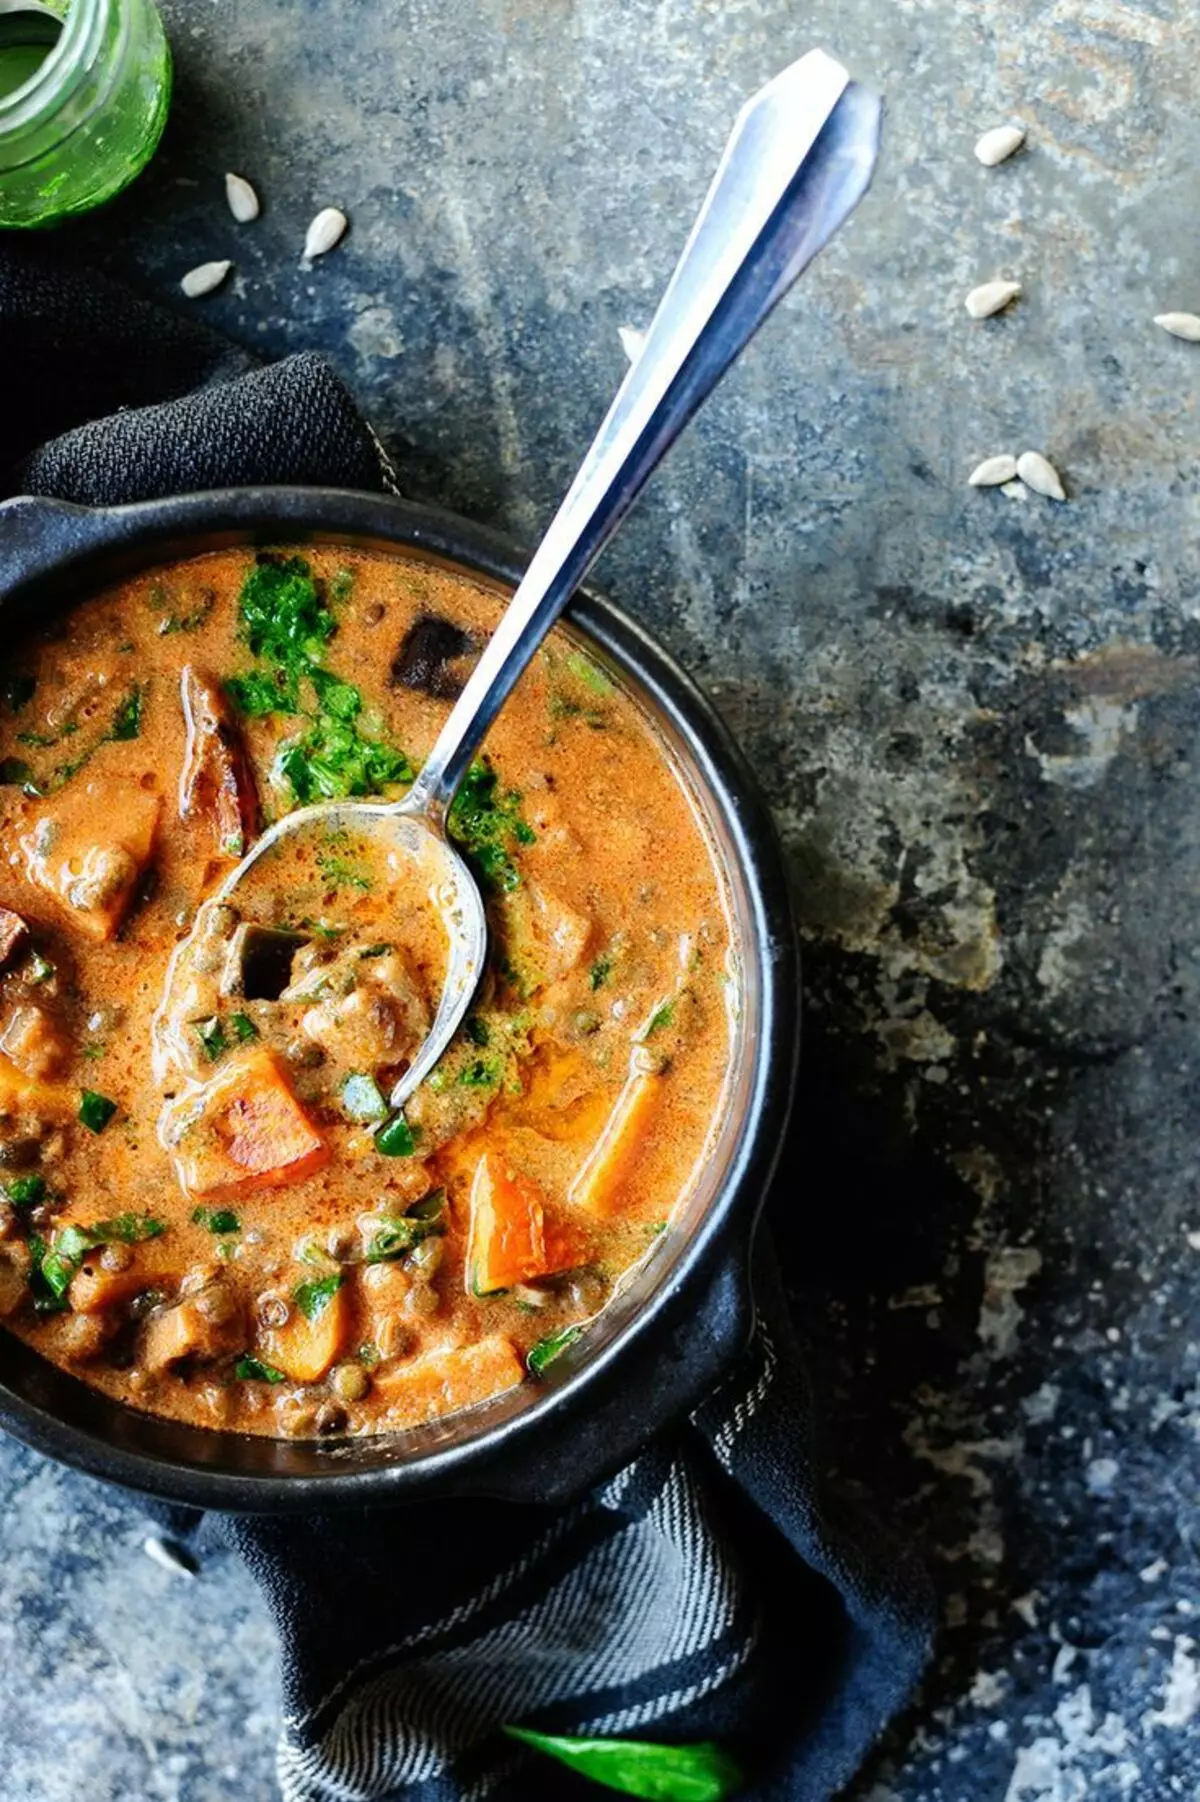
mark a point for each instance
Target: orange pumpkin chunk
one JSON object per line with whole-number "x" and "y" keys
{"x": 599, "y": 1185}
{"x": 250, "y": 1133}
{"x": 307, "y": 1345}
{"x": 443, "y": 1381}
{"x": 509, "y": 1241}
{"x": 89, "y": 848}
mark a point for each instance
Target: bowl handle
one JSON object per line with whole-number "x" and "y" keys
{"x": 682, "y": 1361}
{"x": 38, "y": 535}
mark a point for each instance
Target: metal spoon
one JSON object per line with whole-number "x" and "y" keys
{"x": 797, "y": 163}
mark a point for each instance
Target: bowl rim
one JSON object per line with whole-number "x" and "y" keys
{"x": 74, "y": 548}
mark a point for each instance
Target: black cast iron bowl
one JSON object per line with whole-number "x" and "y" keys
{"x": 666, "y": 1341}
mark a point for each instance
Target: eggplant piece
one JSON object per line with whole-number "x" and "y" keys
{"x": 431, "y": 644}
{"x": 216, "y": 779}
{"x": 14, "y": 936}
{"x": 259, "y": 966}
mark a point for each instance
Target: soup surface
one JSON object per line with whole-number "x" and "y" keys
{"x": 208, "y": 1207}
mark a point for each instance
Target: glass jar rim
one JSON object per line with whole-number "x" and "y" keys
{"x": 64, "y": 67}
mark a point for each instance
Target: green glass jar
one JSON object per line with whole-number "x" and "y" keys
{"x": 84, "y": 91}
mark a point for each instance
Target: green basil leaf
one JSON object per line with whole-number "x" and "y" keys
{"x": 253, "y": 1370}
{"x": 217, "y": 1220}
{"x": 702, "y": 1772}
{"x": 397, "y": 1139}
{"x": 95, "y": 1111}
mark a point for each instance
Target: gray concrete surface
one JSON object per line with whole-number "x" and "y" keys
{"x": 977, "y": 717}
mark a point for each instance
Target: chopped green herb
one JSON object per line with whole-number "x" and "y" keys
{"x": 211, "y": 1035}
{"x": 313, "y": 1298}
{"x": 127, "y": 721}
{"x": 701, "y": 1772}
{"x": 551, "y": 1347}
{"x": 256, "y": 694}
{"x": 58, "y": 1262}
{"x": 393, "y": 1236}
{"x": 253, "y": 1370}
{"x": 600, "y": 972}
{"x": 589, "y": 673}
{"x": 480, "y": 1073}
{"x": 38, "y": 741}
{"x": 46, "y": 1300}
{"x": 93, "y": 1051}
{"x": 662, "y": 1016}
{"x": 284, "y": 619}
{"x": 375, "y": 951}
{"x": 369, "y": 1354}
{"x": 217, "y": 1220}
{"x": 334, "y": 759}
{"x": 486, "y": 821}
{"x": 341, "y": 585}
{"x": 95, "y": 1111}
{"x": 363, "y": 1099}
{"x": 339, "y": 869}
{"x": 26, "y": 1191}
{"x": 397, "y": 1139}
{"x": 40, "y": 968}
{"x": 430, "y": 1207}
{"x": 186, "y": 622}
{"x": 243, "y": 1028}
{"x": 476, "y": 1030}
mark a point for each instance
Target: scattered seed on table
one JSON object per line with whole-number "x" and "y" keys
{"x": 1037, "y": 472}
{"x": 204, "y": 278}
{"x": 1180, "y": 325}
{"x": 631, "y": 341}
{"x": 243, "y": 201}
{"x": 993, "y": 470}
{"x": 999, "y": 143}
{"x": 325, "y": 231}
{"x": 991, "y": 297}
{"x": 171, "y": 1557}
{"x": 1016, "y": 490}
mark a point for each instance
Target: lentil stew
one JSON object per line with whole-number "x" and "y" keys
{"x": 207, "y": 1207}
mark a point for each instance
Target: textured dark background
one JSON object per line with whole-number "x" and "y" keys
{"x": 976, "y": 717}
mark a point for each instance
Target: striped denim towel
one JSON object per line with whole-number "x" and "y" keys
{"x": 709, "y": 1589}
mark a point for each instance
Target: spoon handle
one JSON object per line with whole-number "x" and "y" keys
{"x": 797, "y": 163}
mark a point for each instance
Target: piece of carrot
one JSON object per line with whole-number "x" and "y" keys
{"x": 598, "y": 1186}
{"x": 441, "y": 1382}
{"x": 306, "y": 1347}
{"x": 21, "y": 1094}
{"x": 509, "y": 1240}
{"x": 250, "y": 1133}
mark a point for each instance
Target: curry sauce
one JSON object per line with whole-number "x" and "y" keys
{"x": 209, "y": 1208}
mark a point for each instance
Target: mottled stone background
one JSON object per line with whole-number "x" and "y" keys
{"x": 976, "y": 717}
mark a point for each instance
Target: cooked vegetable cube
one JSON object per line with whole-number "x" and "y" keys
{"x": 509, "y": 1242}
{"x": 599, "y": 1184}
{"x": 90, "y": 847}
{"x": 441, "y": 1382}
{"x": 247, "y": 1132}
{"x": 315, "y": 1333}
{"x": 35, "y": 1041}
{"x": 207, "y": 1325}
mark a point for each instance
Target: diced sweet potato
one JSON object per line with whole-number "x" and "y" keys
{"x": 598, "y": 1186}
{"x": 216, "y": 779}
{"x": 441, "y": 1382}
{"x": 89, "y": 848}
{"x": 21, "y": 1094}
{"x": 14, "y": 936}
{"x": 249, "y": 1132}
{"x": 203, "y": 1326}
{"x": 509, "y": 1242}
{"x": 306, "y": 1348}
{"x": 94, "y": 1289}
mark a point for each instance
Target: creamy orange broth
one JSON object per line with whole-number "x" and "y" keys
{"x": 207, "y": 1207}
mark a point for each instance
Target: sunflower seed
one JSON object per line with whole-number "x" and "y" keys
{"x": 991, "y": 298}
{"x": 204, "y": 278}
{"x": 1038, "y": 473}
{"x": 325, "y": 231}
{"x": 993, "y": 470}
{"x": 243, "y": 201}
{"x": 1180, "y": 325}
{"x": 631, "y": 341}
{"x": 995, "y": 145}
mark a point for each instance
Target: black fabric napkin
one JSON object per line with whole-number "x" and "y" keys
{"x": 709, "y": 1590}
